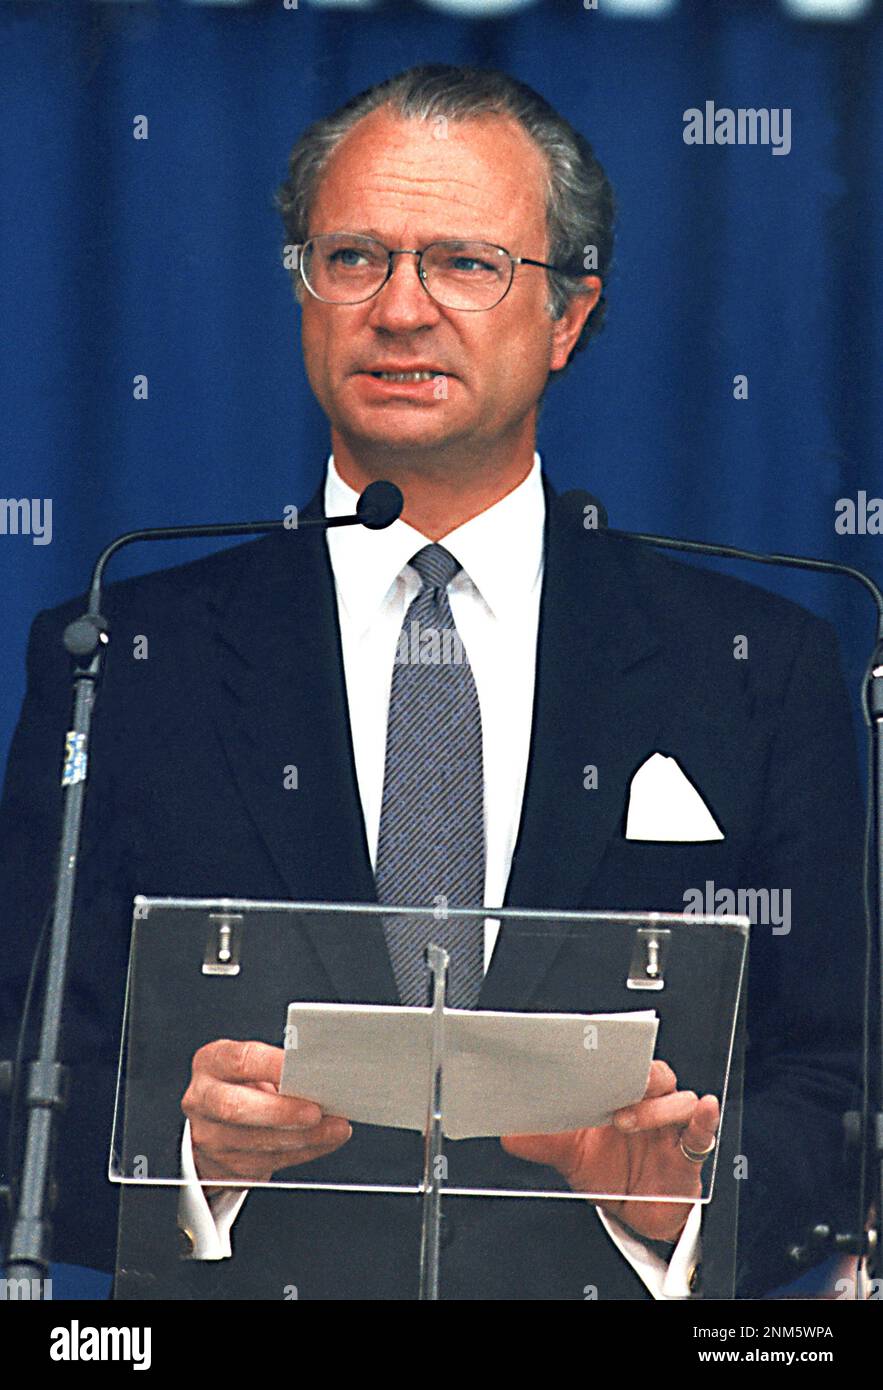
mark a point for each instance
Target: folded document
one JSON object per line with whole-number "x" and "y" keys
{"x": 504, "y": 1073}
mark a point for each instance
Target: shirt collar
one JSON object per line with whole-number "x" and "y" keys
{"x": 501, "y": 549}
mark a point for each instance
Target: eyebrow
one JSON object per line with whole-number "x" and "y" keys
{"x": 428, "y": 241}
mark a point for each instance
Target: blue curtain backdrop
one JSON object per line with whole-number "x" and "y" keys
{"x": 162, "y": 257}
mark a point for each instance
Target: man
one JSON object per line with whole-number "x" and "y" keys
{"x": 440, "y": 225}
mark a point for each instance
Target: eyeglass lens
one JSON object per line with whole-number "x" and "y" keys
{"x": 344, "y": 269}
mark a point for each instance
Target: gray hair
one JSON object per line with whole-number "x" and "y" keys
{"x": 579, "y": 199}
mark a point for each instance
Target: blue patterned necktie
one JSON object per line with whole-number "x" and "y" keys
{"x": 430, "y": 850}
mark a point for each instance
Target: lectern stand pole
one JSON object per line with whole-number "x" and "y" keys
{"x": 433, "y": 1158}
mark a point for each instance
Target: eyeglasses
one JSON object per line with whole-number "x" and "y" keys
{"x": 346, "y": 268}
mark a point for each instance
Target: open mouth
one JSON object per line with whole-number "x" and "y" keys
{"x": 404, "y": 376}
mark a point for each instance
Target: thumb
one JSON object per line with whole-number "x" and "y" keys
{"x": 557, "y": 1150}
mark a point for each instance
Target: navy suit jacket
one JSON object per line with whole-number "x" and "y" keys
{"x": 244, "y": 678}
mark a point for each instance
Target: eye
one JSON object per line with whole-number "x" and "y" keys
{"x": 347, "y": 257}
{"x": 468, "y": 265}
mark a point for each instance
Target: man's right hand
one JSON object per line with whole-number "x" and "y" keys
{"x": 241, "y": 1128}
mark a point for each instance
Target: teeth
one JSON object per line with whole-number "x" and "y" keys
{"x": 403, "y": 376}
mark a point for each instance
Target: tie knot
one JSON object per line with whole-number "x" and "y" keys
{"x": 436, "y": 566}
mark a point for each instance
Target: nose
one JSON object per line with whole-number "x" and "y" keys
{"x": 403, "y": 305}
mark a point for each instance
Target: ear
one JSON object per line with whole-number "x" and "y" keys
{"x": 567, "y": 329}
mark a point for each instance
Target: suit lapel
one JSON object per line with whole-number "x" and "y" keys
{"x": 594, "y": 707}
{"x": 282, "y": 705}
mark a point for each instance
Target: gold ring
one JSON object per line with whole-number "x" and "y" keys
{"x": 692, "y": 1154}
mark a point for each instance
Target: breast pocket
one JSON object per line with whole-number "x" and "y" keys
{"x": 665, "y": 876}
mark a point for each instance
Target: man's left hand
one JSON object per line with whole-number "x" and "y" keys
{"x": 639, "y": 1153}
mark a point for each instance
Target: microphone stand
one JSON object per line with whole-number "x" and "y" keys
{"x": 46, "y": 1091}
{"x": 822, "y": 1236}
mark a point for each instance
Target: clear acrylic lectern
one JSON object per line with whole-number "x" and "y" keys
{"x": 573, "y": 1008}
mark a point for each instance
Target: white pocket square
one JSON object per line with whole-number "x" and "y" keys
{"x": 664, "y": 805}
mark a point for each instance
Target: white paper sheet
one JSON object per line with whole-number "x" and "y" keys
{"x": 505, "y": 1073}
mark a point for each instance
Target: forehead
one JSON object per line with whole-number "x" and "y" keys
{"x": 420, "y": 180}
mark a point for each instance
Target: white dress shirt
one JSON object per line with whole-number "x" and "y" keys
{"x": 495, "y": 600}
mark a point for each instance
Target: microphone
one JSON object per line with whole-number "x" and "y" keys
{"x": 85, "y": 639}
{"x": 822, "y": 1239}
{"x": 588, "y": 508}
{"x": 379, "y": 506}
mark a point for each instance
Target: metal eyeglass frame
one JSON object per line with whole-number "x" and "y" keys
{"x": 299, "y": 248}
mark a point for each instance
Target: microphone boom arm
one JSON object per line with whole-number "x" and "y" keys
{"x": 85, "y": 640}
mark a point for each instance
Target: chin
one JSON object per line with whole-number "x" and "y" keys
{"x": 408, "y": 432}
